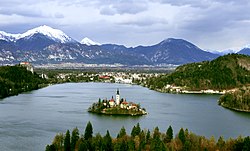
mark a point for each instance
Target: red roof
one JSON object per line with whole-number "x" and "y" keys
{"x": 124, "y": 102}
{"x": 104, "y": 77}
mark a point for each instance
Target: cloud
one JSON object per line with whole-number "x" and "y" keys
{"x": 208, "y": 23}
{"x": 122, "y": 7}
{"x": 143, "y": 21}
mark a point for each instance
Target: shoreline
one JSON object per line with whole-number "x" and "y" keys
{"x": 234, "y": 109}
{"x": 116, "y": 114}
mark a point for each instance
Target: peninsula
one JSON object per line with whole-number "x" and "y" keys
{"x": 116, "y": 107}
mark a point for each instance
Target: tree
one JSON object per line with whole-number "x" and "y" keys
{"x": 181, "y": 136}
{"x": 50, "y": 148}
{"x": 157, "y": 143}
{"x": 97, "y": 142}
{"x": 156, "y": 134}
{"x": 58, "y": 141}
{"x": 88, "y": 131}
{"x": 220, "y": 143}
{"x": 169, "y": 134}
{"x": 246, "y": 146}
{"x": 74, "y": 138}
{"x": 67, "y": 141}
{"x": 122, "y": 132}
{"x": 107, "y": 142}
{"x": 148, "y": 137}
{"x": 83, "y": 146}
{"x": 136, "y": 130}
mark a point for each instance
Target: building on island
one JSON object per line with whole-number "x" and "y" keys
{"x": 118, "y": 106}
{"x": 117, "y": 97}
{"x": 112, "y": 102}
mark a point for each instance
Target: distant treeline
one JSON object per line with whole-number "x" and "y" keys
{"x": 225, "y": 72}
{"x": 144, "y": 140}
{"x": 16, "y": 79}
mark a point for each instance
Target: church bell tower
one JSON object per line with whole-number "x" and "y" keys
{"x": 117, "y": 100}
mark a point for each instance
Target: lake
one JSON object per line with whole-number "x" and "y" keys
{"x": 30, "y": 120}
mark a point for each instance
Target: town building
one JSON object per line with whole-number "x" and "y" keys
{"x": 28, "y": 66}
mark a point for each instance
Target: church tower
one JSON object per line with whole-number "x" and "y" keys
{"x": 117, "y": 100}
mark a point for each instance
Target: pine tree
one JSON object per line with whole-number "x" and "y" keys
{"x": 181, "y": 136}
{"x": 74, "y": 138}
{"x": 148, "y": 137}
{"x": 136, "y": 130}
{"x": 67, "y": 141}
{"x": 88, "y": 131}
{"x": 107, "y": 142}
{"x": 122, "y": 132}
{"x": 169, "y": 134}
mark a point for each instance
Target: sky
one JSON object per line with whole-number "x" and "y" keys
{"x": 209, "y": 24}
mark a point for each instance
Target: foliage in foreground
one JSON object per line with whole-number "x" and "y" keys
{"x": 144, "y": 140}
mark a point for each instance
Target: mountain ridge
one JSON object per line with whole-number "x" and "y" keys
{"x": 43, "y": 45}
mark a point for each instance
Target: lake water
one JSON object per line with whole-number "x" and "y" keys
{"x": 30, "y": 121}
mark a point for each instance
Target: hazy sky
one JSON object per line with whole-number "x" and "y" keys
{"x": 210, "y": 24}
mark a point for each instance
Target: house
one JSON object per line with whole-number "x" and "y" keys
{"x": 132, "y": 106}
{"x": 28, "y": 66}
{"x": 112, "y": 102}
{"x": 124, "y": 105}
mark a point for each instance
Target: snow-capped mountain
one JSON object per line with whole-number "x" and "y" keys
{"x": 43, "y": 45}
{"x": 89, "y": 42}
{"x": 223, "y": 52}
{"x": 53, "y": 34}
{"x": 7, "y": 37}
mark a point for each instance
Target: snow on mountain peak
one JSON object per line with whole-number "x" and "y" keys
{"x": 45, "y": 30}
{"x": 7, "y": 36}
{"x": 89, "y": 42}
{"x": 52, "y": 33}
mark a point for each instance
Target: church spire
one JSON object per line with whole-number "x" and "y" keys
{"x": 117, "y": 100}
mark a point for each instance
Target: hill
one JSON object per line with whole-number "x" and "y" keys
{"x": 16, "y": 79}
{"x": 226, "y": 72}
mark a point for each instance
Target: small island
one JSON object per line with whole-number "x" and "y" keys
{"x": 117, "y": 107}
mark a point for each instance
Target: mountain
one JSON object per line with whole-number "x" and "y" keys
{"x": 53, "y": 34}
{"x": 245, "y": 51}
{"x": 225, "y": 72}
{"x": 43, "y": 45}
{"x": 174, "y": 51}
{"x": 89, "y": 42}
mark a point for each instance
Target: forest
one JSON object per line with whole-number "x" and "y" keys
{"x": 238, "y": 100}
{"x": 144, "y": 140}
{"x": 16, "y": 79}
{"x": 225, "y": 72}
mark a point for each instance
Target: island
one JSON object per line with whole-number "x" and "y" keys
{"x": 117, "y": 107}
